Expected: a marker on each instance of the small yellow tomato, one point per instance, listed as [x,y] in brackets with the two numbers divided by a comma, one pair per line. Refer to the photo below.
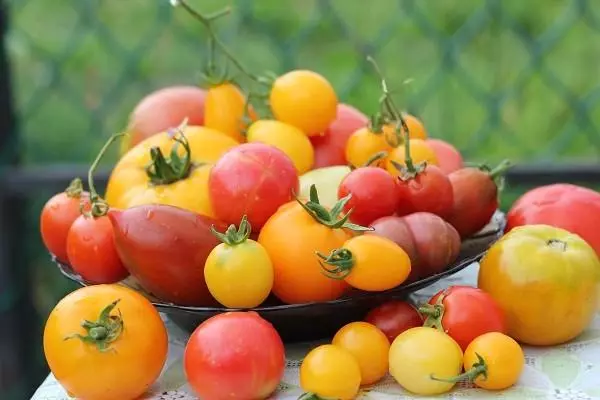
[287,138]
[369,346]
[416,129]
[224,110]
[238,272]
[331,372]
[418,354]
[304,99]
[419,152]
[364,144]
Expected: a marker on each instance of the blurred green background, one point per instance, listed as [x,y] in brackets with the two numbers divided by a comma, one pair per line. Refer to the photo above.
[499,79]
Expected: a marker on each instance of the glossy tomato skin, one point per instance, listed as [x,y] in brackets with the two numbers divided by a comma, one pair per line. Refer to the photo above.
[137,356]
[330,148]
[165,248]
[235,355]
[253,179]
[449,158]
[416,129]
[373,193]
[429,191]
[394,317]
[468,312]
[363,144]
[224,110]
[91,250]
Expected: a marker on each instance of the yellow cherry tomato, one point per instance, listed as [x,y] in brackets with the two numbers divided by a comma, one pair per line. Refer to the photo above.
[416,129]
[238,272]
[304,99]
[224,110]
[287,138]
[369,346]
[419,152]
[364,144]
[368,262]
[330,372]
[418,354]
[546,280]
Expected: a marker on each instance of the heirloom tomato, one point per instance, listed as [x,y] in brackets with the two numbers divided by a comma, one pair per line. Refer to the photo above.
[145,175]
[416,129]
[253,179]
[546,280]
[420,152]
[234,355]
[287,138]
[449,158]
[365,144]
[57,216]
[105,342]
[224,110]
[305,100]
[394,317]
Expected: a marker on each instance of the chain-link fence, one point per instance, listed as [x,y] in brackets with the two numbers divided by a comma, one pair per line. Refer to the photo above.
[498,78]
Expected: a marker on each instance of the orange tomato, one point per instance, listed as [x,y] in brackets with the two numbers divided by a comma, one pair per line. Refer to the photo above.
[224,109]
[304,99]
[416,129]
[364,144]
[419,152]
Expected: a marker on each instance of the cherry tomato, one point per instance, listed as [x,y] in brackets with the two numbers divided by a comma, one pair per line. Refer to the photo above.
[369,346]
[416,129]
[252,179]
[330,372]
[464,313]
[105,342]
[419,151]
[235,355]
[394,317]
[429,191]
[368,262]
[449,158]
[58,214]
[364,144]
[224,110]
[330,148]
[373,193]
[304,99]
[419,353]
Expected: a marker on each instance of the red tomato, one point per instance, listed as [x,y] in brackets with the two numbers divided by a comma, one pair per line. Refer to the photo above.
[373,193]
[330,148]
[91,250]
[235,355]
[58,214]
[394,317]
[449,158]
[464,313]
[252,179]
[429,191]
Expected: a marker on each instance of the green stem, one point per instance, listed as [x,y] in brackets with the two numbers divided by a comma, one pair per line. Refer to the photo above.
[375,157]
[342,260]
[434,313]
[500,169]
[478,369]
[99,207]
[234,236]
[311,396]
[102,332]
[164,171]
[74,189]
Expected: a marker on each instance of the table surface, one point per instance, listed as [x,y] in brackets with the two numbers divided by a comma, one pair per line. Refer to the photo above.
[568,372]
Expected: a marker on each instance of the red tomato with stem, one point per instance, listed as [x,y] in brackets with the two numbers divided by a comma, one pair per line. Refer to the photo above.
[235,355]
[373,193]
[252,179]
[464,313]
[394,317]
[429,190]
[449,158]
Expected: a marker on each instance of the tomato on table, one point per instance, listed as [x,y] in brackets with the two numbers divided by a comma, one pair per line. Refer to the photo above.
[224,110]
[394,317]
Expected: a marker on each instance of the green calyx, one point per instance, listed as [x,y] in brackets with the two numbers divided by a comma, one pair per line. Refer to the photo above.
[333,219]
[75,188]
[478,369]
[164,171]
[234,236]
[104,331]
[341,261]
[434,313]
[497,173]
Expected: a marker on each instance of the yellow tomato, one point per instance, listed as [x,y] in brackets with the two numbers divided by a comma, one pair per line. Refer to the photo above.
[238,272]
[330,372]
[364,144]
[105,342]
[287,138]
[304,99]
[131,184]
[418,354]
[546,280]
[419,152]
[416,129]
[224,110]
[369,346]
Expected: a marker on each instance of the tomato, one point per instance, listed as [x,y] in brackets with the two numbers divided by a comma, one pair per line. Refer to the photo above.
[330,148]
[449,158]
[566,206]
[416,129]
[238,272]
[373,193]
[546,281]
[105,342]
[327,181]
[235,355]
[364,144]
[420,152]
[253,179]
[418,354]
[430,242]
[304,99]
[224,110]
[464,313]
[369,346]
[145,175]
[394,317]
[330,372]
[163,109]
[429,190]
[57,216]
[287,138]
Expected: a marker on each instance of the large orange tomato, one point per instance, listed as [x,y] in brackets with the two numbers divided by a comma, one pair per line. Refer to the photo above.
[105,342]
[546,280]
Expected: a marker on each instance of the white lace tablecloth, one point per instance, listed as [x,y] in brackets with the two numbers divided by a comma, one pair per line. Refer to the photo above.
[568,372]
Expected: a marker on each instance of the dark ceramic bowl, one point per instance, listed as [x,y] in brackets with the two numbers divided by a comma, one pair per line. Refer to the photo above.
[311,321]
